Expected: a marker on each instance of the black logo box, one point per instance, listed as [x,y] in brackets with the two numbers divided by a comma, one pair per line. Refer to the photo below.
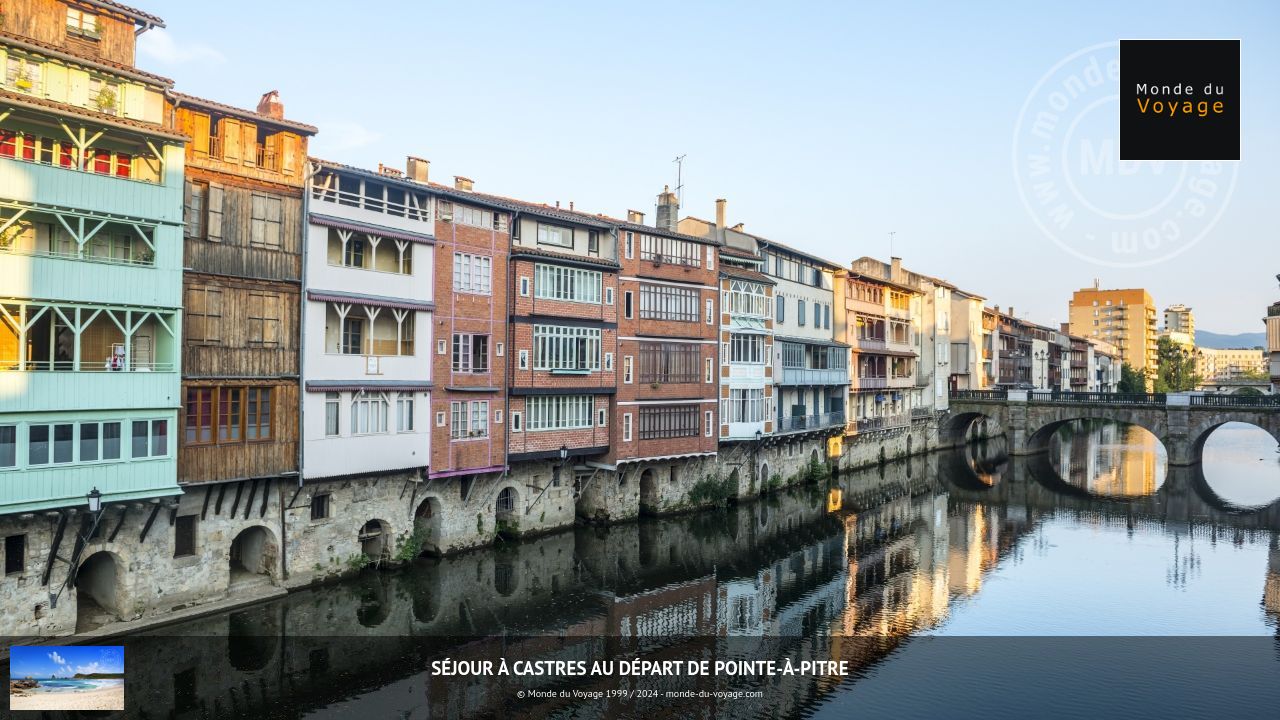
[1187,68]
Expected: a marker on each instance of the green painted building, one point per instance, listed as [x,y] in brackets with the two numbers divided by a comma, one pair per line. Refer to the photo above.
[91,207]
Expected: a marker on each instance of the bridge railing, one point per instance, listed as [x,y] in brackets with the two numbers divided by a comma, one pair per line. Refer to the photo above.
[1098,398]
[979,394]
[1263,401]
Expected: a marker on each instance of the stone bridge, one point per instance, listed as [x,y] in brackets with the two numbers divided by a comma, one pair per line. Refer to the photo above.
[1181,422]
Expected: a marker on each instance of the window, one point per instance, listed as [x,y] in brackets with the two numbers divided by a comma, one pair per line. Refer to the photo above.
[81,23]
[668,421]
[554,235]
[264,221]
[602,417]
[593,242]
[800,313]
[745,405]
[320,506]
[608,361]
[470,353]
[523,360]
[440,419]
[608,296]
[352,335]
[524,287]
[711,311]
[199,430]
[184,536]
[626,369]
[626,305]
[404,412]
[663,302]
[15,554]
[517,422]
[626,427]
[8,446]
[469,419]
[264,320]
[332,406]
[257,424]
[497,416]
[559,412]
[629,249]
[353,252]
[553,282]
[38,445]
[473,216]
[197,201]
[472,273]
[745,298]
[669,362]
[746,349]
[230,414]
[669,250]
[369,414]
[204,315]
[709,370]
[150,438]
[111,441]
[782,309]
[708,423]
[561,348]
[711,258]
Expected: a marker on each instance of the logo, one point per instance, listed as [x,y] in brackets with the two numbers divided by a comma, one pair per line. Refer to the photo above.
[1087,198]
[1180,99]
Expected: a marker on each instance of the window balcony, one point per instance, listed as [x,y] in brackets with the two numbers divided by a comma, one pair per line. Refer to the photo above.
[814,376]
[800,423]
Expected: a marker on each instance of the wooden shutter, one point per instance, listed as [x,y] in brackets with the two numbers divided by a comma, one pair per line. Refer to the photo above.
[229,131]
[198,128]
[258,220]
[249,146]
[214,230]
[288,153]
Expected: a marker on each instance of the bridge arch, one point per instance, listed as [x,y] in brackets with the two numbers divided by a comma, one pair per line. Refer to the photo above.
[1043,422]
[1200,432]
[957,427]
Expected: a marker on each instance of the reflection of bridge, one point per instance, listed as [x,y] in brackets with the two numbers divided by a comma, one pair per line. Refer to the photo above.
[1181,422]
[1185,499]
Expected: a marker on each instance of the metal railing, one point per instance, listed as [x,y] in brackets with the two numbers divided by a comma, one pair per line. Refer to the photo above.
[979,394]
[1098,398]
[810,422]
[1265,401]
[887,422]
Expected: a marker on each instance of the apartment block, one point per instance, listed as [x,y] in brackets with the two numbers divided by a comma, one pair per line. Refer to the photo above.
[1125,318]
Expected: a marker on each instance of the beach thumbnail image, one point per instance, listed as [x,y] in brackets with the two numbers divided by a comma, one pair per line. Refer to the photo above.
[72,677]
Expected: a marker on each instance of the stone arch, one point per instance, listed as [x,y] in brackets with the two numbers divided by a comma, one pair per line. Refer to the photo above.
[506,577]
[254,553]
[428,521]
[649,492]
[1199,434]
[814,458]
[763,475]
[373,601]
[1043,423]
[955,429]
[253,634]
[101,595]
[375,540]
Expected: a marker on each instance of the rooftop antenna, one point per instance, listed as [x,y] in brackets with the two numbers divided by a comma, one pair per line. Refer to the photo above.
[679,161]
[891,234]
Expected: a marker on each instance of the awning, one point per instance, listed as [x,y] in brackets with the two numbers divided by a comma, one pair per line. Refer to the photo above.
[369,229]
[890,353]
[369,300]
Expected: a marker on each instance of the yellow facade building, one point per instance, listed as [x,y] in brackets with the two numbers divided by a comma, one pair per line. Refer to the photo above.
[1125,318]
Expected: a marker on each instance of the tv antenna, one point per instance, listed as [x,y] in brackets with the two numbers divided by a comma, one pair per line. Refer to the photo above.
[679,161]
[891,234]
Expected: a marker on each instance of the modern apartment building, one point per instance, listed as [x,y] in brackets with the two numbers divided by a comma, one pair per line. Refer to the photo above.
[1180,319]
[1124,318]
[91,257]
[243,230]
[1231,363]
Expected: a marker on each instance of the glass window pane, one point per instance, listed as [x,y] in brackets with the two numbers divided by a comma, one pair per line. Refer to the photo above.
[8,445]
[88,442]
[140,438]
[62,442]
[38,444]
[159,438]
[111,441]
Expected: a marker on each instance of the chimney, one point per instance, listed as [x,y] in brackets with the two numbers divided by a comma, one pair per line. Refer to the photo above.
[721,211]
[1097,284]
[417,168]
[668,210]
[635,216]
[271,106]
[570,206]
[1011,313]
[895,269]
[462,183]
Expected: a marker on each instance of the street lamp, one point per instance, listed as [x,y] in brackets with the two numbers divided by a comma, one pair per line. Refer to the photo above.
[95,501]
[564,453]
[94,497]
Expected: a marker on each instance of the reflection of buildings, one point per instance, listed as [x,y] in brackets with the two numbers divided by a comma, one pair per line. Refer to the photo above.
[1110,459]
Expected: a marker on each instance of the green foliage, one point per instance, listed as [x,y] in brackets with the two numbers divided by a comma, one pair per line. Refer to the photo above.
[773,483]
[815,471]
[410,546]
[358,561]
[507,527]
[712,490]
[1132,380]
[1176,365]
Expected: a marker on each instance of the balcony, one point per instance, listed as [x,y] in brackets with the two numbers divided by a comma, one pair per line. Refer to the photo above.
[744,371]
[886,422]
[86,391]
[800,423]
[869,383]
[27,182]
[814,376]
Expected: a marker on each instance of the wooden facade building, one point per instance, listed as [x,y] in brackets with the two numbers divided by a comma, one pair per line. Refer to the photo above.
[243,212]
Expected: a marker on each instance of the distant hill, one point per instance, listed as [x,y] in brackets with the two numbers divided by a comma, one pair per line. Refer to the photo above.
[1204,338]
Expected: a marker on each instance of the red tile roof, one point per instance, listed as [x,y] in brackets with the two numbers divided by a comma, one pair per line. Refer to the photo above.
[184,98]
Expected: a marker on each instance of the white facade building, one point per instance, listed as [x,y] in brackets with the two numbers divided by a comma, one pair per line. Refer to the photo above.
[367,323]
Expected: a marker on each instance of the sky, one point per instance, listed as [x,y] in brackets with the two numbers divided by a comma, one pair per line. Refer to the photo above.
[825,126]
[42,661]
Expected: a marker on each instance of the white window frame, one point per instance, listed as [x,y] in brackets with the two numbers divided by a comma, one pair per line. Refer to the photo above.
[404,412]
[709,421]
[517,424]
[370,413]
[472,274]
[628,368]
[626,427]
[556,282]
[468,420]
[710,369]
[559,412]
[558,348]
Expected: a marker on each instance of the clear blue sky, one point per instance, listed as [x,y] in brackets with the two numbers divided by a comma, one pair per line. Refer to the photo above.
[42,661]
[826,126]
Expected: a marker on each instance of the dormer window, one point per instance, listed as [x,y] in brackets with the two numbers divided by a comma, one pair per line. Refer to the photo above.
[82,24]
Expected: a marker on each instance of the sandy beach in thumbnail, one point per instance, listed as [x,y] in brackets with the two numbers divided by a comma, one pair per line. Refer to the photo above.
[106,698]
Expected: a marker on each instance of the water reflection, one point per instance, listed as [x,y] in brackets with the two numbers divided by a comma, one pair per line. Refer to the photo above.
[1109,459]
[968,542]
[1242,465]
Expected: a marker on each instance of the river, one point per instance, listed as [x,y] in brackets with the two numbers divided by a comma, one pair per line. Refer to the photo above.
[1093,581]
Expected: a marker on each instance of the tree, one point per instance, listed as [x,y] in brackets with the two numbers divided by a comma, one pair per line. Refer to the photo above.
[1132,380]
[1175,367]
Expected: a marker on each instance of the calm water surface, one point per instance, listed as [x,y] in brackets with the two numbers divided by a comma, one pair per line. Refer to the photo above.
[1093,581]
